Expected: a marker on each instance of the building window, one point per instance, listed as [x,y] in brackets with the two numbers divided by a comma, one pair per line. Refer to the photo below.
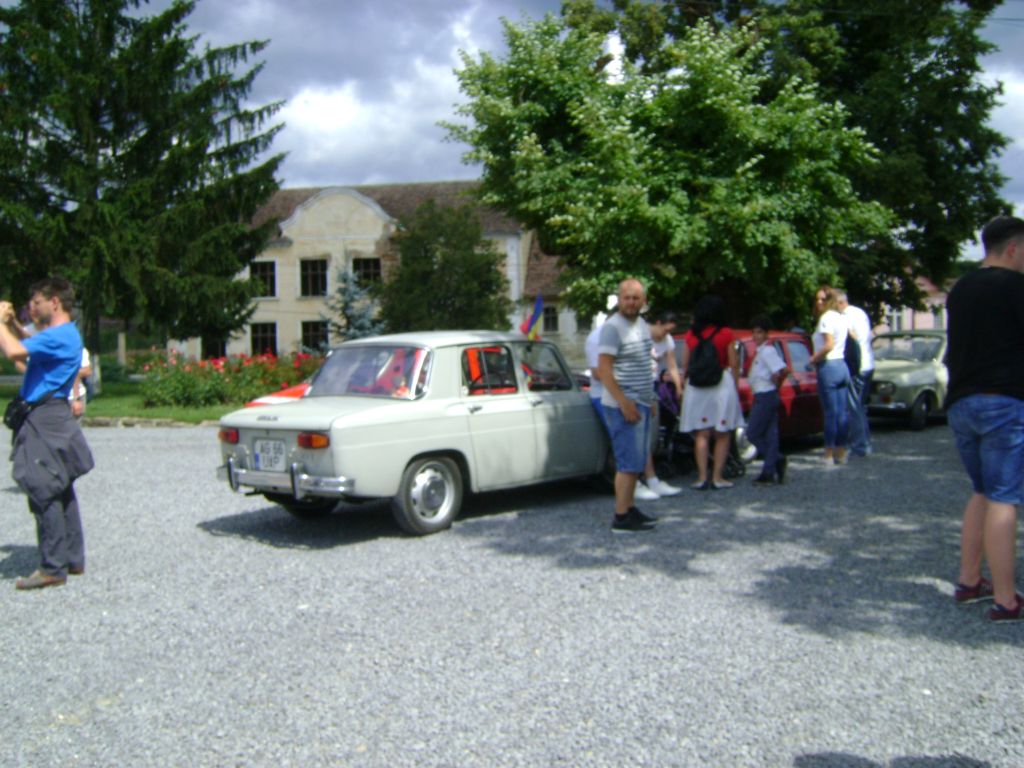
[213,348]
[313,277]
[314,336]
[367,271]
[584,323]
[264,338]
[550,320]
[265,274]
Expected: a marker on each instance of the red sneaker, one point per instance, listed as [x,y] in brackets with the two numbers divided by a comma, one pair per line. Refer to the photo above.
[1002,613]
[966,595]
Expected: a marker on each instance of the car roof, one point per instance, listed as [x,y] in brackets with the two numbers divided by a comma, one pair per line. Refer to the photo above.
[743,334]
[438,338]
[913,332]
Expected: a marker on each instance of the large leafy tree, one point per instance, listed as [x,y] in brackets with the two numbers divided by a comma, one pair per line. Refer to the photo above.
[681,174]
[130,162]
[449,275]
[908,73]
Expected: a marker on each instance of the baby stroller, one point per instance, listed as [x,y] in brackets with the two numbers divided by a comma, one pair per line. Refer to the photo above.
[673,451]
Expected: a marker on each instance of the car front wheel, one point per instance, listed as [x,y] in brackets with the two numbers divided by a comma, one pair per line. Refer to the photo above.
[920,411]
[429,497]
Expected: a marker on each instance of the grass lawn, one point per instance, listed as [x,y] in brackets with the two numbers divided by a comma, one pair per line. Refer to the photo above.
[123,399]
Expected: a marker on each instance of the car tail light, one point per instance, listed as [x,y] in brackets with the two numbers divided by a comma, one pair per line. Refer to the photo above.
[313,440]
[228,435]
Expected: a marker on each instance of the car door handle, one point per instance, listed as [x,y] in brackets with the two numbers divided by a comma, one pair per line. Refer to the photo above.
[473,408]
[535,401]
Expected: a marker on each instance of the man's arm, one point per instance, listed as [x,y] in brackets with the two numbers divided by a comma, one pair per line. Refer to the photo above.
[10,345]
[606,373]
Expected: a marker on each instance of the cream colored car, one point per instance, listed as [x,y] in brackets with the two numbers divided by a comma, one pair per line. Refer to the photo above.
[420,418]
[910,376]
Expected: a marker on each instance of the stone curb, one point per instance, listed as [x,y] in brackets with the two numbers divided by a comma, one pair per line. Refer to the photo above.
[135,421]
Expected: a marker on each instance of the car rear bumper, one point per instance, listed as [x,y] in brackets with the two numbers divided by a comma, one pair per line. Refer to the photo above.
[295,482]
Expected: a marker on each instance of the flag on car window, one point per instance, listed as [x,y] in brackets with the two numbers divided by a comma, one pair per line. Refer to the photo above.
[531,327]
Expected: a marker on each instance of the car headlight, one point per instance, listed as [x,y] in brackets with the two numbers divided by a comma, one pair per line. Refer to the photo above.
[885,388]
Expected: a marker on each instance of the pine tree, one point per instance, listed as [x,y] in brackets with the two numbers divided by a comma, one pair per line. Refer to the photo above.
[353,310]
[130,162]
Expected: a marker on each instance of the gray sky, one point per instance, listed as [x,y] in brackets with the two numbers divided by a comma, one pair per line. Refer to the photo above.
[366,81]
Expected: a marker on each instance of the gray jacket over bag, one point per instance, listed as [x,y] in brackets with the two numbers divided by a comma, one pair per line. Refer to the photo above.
[50,452]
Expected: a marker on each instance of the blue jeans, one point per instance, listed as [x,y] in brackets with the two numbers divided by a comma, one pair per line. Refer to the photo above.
[630,440]
[833,380]
[860,432]
[989,432]
[763,429]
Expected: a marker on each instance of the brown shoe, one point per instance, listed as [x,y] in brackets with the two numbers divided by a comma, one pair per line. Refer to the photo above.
[76,570]
[38,580]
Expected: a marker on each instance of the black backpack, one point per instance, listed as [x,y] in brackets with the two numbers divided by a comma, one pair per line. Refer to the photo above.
[704,370]
[851,355]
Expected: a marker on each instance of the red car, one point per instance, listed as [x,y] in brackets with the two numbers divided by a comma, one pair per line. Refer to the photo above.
[800,412]
[286,395]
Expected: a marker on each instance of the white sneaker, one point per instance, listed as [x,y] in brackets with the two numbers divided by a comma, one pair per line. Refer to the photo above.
[662,488]
[643,493]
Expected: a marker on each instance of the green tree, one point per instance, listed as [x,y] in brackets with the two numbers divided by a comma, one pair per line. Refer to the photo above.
[129,163]
[353,309]
[449,275]
[680,176]
[907,72]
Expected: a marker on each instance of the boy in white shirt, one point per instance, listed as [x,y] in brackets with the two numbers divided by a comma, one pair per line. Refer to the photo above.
[767,371]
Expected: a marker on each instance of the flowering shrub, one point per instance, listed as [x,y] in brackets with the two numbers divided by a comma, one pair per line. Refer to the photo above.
[174,380]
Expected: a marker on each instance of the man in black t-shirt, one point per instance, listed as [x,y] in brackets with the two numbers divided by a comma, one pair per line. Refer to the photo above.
[985,403]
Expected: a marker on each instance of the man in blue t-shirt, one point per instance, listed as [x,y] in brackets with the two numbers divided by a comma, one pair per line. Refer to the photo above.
[49,448]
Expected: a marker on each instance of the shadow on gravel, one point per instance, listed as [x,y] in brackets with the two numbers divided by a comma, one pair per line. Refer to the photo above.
[843,760]
[17,560]
[273,526]
[869,547]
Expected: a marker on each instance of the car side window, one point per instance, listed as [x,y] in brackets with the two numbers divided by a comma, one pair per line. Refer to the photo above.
[799,355]
[543,368]
[488,370]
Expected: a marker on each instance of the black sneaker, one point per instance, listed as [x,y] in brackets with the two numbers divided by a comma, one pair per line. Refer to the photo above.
[765,478]
[643,515]
[631,522]
[780,469]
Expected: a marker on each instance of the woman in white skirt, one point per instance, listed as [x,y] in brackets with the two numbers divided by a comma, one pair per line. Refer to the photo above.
[711,412]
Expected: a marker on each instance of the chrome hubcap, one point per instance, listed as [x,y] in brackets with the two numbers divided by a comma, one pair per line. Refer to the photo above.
[429,494]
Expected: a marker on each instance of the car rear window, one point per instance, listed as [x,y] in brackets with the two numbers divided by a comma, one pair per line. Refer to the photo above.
[400,372]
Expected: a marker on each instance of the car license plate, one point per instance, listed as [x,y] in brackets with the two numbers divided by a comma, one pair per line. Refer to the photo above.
[269,455]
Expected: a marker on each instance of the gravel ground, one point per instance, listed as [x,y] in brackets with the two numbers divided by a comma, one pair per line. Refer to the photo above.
[810,625]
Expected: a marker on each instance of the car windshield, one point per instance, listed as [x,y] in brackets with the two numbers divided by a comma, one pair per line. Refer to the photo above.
[384,370]
[919,349]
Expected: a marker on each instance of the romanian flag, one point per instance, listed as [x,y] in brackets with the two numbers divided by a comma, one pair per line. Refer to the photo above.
[531,327]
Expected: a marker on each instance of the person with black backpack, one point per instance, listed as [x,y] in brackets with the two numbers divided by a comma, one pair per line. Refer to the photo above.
[711,404]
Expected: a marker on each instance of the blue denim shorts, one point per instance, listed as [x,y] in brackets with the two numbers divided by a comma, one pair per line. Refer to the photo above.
[599,410]
[630,440]
[989,432]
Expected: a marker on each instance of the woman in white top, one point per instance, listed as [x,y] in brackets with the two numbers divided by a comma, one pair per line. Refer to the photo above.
[833,377]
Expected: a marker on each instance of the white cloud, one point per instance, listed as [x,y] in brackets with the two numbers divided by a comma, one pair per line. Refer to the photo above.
[334,135]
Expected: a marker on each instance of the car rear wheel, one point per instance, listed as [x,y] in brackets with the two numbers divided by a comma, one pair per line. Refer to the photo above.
[429,497]
[304,509]
[920,411]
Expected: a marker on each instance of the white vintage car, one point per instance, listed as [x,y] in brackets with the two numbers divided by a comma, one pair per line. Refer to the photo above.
[419,418]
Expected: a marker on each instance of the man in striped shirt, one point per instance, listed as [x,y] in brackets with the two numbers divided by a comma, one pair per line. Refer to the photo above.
[624,366]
